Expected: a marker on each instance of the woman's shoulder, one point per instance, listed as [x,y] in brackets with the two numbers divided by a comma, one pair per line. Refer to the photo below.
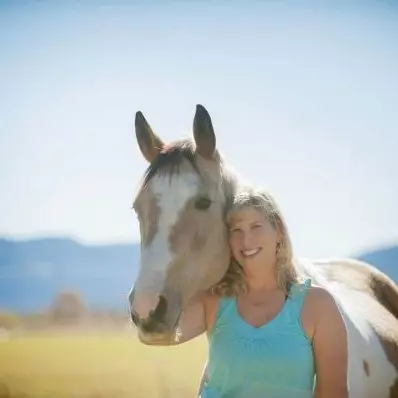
[319,297]
[319,307]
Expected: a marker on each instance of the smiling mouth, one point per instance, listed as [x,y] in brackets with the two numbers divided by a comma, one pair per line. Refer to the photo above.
[250,253]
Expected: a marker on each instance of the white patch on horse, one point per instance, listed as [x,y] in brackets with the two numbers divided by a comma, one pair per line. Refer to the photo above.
[363,343]
[157,257]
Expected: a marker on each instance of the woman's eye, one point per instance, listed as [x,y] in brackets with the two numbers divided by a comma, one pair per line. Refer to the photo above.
[202,203]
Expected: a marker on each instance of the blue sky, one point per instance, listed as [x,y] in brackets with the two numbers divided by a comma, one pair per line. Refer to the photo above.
[303,98]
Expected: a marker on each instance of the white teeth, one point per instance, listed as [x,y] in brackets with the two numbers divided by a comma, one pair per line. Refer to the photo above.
[250,252]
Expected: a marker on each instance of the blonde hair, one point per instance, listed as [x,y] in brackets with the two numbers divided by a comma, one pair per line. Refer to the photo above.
[234,283]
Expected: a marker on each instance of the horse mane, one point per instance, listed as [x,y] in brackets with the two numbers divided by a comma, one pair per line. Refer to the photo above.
[170,157]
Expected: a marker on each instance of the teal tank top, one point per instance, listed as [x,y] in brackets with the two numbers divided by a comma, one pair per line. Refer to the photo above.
[274,360]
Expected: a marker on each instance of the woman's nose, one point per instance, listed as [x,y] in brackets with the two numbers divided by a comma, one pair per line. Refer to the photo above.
[247,239]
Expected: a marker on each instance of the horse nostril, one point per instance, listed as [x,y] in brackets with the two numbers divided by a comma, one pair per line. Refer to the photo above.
[161,309]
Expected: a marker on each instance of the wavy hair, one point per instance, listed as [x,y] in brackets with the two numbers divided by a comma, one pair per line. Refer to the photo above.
[234,283]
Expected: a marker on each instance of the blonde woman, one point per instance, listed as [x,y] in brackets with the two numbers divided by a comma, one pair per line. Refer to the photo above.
[270,332]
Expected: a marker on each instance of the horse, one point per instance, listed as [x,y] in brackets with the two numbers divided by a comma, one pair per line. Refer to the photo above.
[180,206]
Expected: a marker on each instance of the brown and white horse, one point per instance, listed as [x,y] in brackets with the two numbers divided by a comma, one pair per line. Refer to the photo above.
[184,250]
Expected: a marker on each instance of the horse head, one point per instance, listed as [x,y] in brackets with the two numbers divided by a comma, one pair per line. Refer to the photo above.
[179,206]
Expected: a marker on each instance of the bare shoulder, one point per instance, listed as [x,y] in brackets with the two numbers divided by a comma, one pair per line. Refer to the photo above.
[319,299]
[320,308]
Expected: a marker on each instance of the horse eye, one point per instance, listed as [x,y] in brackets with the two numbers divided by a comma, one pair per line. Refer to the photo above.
[202,203]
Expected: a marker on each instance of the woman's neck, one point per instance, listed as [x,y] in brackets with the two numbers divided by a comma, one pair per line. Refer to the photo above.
[263,279]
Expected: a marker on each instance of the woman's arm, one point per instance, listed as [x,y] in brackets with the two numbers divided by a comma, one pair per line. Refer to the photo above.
[329,345]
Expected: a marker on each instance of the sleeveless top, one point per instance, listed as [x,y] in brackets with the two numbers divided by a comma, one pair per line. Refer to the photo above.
[274,360]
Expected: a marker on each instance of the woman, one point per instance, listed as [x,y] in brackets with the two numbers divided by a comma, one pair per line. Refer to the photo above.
[269,331]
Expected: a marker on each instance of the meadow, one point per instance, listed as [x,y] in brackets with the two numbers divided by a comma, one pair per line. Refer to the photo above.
[97,365]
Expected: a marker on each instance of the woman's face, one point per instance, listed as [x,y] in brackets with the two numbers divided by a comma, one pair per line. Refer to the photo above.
[252,238]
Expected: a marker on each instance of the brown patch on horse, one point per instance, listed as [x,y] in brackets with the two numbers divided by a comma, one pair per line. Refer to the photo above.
[386,292]
[361,276]
[394,390]
[384,310]
[180,230]
[366,367]
[191,235]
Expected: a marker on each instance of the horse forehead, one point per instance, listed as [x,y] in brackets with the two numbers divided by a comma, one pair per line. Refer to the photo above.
[173,191]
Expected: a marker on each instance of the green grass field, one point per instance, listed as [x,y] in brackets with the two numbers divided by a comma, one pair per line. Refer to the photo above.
[97,365]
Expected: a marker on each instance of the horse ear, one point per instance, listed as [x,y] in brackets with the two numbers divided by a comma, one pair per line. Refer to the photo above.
[150,144]
[203,133]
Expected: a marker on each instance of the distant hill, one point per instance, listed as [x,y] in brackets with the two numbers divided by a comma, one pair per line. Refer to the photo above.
[33,272]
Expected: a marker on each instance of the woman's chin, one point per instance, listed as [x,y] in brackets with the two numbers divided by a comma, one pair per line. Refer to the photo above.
[254,264]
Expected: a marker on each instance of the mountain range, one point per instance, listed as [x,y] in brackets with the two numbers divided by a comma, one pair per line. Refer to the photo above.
[34,271]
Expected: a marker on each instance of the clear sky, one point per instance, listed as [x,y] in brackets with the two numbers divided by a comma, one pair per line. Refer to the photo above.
[304,101]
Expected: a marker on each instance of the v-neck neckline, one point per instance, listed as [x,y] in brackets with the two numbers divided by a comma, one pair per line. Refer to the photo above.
[268,323]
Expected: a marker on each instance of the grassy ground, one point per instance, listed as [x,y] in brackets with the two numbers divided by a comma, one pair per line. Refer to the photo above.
[101,365]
